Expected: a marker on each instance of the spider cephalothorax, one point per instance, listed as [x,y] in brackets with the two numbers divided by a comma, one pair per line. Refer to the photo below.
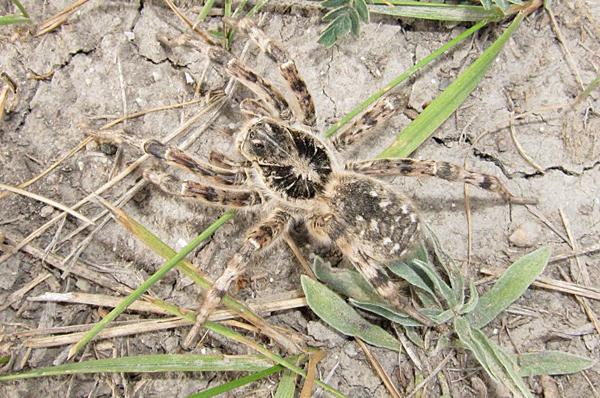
[292,164]
[291,172]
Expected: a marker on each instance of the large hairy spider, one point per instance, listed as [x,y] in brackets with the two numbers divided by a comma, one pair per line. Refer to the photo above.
[295,176]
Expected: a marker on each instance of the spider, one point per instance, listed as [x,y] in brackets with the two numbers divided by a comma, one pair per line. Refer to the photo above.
[295,176]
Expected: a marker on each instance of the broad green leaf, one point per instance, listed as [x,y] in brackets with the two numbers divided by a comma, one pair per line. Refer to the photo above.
[334,3]
[343,25]
[440,285]
[333,14]
[552,363]
[338,314]
[412,275]
[386,312]
[151,364]
[499,365]
[329,36]
[509,287]
[362,10]
[449,100]
[348,283]
[354,22]
[438,11]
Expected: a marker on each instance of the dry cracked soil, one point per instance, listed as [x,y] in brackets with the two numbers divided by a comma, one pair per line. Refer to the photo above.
[112,58]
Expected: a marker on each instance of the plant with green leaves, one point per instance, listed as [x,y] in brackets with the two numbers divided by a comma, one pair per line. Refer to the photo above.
[440,289]
[346,16]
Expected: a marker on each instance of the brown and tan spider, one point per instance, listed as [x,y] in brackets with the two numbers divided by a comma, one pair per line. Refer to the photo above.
[292,174]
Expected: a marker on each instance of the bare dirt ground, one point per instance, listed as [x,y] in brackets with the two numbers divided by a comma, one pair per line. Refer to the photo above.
[107,60]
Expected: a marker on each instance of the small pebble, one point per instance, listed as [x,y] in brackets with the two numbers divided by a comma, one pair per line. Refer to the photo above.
[526,234]
[46,211]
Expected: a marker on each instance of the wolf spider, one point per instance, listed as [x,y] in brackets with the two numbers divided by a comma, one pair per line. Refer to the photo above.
[297,176]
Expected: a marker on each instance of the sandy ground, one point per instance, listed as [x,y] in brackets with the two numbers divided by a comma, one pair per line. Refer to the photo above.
[107,61]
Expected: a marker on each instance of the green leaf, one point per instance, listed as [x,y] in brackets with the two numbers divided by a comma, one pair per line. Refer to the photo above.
[412,275]
[354,22]
[362,10]
[329,36]
[473,299]
[449,100]
[343,25]
[509,287]
[440,285]
[387,312]
[338,314]
[334,3]
[151,364]
[13,19]
[239,382]
[287,385]
[348,283]
[333,14]
[499,365]
[551,363]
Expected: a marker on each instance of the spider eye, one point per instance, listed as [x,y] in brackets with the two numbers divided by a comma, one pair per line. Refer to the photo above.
[257,144]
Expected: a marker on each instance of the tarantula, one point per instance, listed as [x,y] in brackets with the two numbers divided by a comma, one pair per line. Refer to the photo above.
[296,176]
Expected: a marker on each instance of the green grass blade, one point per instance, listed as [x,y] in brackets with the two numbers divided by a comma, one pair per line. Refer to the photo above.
[338,314]
[21,8]
[552,363]
[400,78]
[151,364]
[13,19]
[386,312]
[287,385]
[509,287]
[208,5]
[438,11]
[257,7]
[233,384]
[449,100]
[136,294]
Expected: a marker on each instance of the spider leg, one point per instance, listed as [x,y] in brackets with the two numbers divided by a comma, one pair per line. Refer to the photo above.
[253,108]
[287,67]
[263,88]
[207,171]
[379,112]
[378,277]
[220,160]
[444,170]
[259,238]
[203,192]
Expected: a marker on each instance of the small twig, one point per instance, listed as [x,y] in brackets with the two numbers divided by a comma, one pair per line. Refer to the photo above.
[18,295]
[189,23]
[563,43]
[309,381]
[48,201]
[524,155]
[432,375]
[58,19]
[394,393]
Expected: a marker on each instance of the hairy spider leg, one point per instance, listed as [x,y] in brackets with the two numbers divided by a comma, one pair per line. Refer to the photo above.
[259,238]
[207,172]
[376,115]
[444,170]
[225,197]
[287,67]
[264,89]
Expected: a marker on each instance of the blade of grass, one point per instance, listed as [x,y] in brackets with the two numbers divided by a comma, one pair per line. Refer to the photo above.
[551,363]
[151,364]
[13,19]
[400,78]
[437,11]
[149,282]
[233,384]
[287,385]
[449,100]
[163,250]
[257,7]
[208,5]
[21,8]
